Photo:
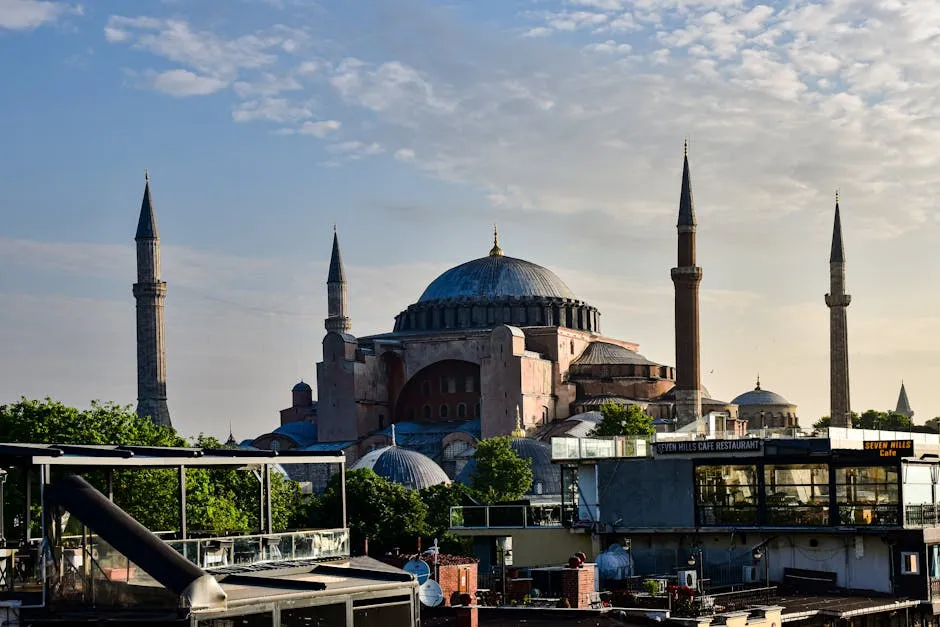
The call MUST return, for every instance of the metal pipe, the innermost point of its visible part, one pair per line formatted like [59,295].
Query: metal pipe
[182,500]
[267,497]
[342,487]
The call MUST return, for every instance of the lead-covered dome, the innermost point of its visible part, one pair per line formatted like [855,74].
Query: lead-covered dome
[495,290]
[760,397]
[399,465]
[496,277]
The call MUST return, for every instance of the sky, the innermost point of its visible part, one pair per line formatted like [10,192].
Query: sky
[414,126]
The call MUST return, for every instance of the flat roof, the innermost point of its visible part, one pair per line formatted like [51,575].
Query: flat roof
[121,456]
[803,607]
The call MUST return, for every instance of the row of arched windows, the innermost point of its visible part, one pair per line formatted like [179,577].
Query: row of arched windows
[444,412]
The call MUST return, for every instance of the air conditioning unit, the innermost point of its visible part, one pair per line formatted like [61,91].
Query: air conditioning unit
[750,574]
[688,578]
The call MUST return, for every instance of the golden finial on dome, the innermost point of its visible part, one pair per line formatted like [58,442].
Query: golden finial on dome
[518,432]
[496,251]
[758,382]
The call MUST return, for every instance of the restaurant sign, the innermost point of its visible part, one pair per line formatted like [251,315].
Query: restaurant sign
[889,448]
[748,445]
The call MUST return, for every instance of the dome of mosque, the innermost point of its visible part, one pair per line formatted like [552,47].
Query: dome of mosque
[408,468]
[301,387]
[546,476]
[757,396]
[496,277]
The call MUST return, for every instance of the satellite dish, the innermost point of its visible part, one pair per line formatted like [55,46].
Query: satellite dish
[419,569]
[430,593]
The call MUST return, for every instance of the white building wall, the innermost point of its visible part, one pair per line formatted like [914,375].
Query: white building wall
[861,562]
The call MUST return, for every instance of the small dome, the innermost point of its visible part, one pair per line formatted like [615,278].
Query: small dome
[301,387]
[605,353]
[303,433]
[399,465]
[544,472]
[757,396]
[496,277]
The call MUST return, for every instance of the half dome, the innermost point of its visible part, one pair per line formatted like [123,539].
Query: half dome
[399,465]
[496,277]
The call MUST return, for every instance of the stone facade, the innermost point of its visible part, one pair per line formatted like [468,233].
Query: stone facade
[150,295]
[837,300]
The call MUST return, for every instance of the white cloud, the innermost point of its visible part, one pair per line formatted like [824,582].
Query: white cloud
[404,154]
[608,47]
[183,83]
[29,14]
[272,110]
[356,149]
[320,128]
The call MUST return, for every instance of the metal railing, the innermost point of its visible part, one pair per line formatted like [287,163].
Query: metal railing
[291,545]
[599,448]
[934,588]
[922,515]
[506,516]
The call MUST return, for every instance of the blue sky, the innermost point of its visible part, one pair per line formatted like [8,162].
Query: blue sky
[414,125]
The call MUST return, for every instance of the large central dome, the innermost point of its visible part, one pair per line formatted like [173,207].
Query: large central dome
[496,277]
[495,290]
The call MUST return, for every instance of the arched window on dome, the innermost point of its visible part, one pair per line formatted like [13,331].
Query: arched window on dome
[426,412]
[444,410]
[462,410]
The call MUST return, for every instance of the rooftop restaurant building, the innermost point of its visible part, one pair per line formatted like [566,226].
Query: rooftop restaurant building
[115,570]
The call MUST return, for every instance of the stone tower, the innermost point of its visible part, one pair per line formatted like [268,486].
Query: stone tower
[150,294]
[840,410]
[686,277]
[336,320]
[904,405]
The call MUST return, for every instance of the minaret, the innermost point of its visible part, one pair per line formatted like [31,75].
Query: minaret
[150,294]
[840,410]
[686,277]
[904,405]
[337,320]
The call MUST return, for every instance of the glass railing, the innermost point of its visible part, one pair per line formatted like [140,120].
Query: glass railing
[503,516]
[271,547]
[598,448]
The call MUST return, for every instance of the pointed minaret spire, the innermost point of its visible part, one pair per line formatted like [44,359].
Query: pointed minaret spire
[150,294]
[686,277]
[147,223]
[496,251]
[840,408]
[686,206]
[904,405]
[837,252]
[337,318]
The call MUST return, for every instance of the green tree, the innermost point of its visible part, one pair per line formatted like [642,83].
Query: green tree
[932,425]
[439,499]
[822,423]
[499,473]
[623,420]
[218,499]
[388,514]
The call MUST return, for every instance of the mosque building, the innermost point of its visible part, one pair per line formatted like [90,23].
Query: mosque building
[494,346]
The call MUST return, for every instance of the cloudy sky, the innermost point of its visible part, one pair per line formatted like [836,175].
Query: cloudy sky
[414,125]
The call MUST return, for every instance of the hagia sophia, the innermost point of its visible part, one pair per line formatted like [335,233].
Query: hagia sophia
[495,346]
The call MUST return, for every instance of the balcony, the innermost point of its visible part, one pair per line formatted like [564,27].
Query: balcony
[574,449]
[922,515]
[543,516]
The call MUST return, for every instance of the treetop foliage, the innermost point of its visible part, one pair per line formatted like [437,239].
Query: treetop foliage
[499,473]
[623,420]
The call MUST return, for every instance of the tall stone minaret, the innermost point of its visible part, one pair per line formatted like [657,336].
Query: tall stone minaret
[336,320]
[840,410]
[150,293]
[686,277]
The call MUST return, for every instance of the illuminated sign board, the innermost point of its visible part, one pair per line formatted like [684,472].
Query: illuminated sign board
[749,445]
[889,448]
